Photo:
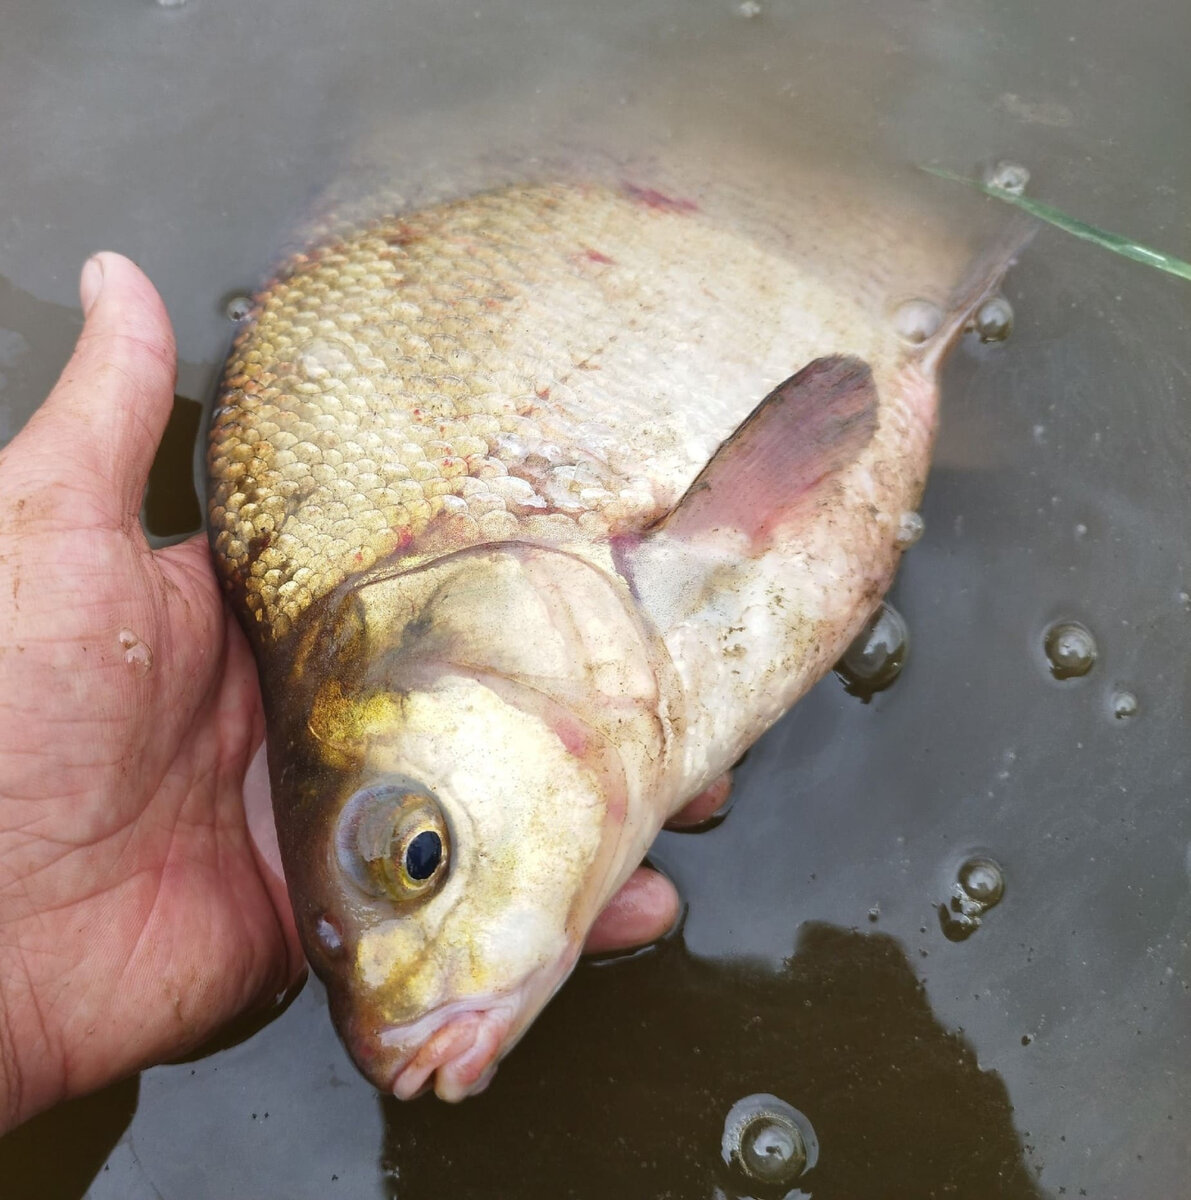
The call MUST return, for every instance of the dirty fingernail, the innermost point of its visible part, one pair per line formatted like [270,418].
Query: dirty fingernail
[90,283]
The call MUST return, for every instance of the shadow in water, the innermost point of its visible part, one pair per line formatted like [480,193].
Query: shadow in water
[171,508]
[635,1066]
[56,1155]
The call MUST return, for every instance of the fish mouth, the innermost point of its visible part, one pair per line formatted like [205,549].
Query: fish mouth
[454,1049]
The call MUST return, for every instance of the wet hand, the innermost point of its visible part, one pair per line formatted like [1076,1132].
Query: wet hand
[136,913]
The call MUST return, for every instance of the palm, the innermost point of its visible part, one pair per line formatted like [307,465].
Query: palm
[138,768]
[135,914]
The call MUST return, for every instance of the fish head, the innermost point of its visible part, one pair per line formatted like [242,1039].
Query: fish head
[450,826]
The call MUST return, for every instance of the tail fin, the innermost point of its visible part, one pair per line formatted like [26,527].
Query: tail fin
[982,280]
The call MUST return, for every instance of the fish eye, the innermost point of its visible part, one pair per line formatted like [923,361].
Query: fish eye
[393,840]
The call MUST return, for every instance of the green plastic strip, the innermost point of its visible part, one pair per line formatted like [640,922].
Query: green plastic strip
[1089,233]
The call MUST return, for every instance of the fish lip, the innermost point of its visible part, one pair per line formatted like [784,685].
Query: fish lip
[496,1019]
[460,1058]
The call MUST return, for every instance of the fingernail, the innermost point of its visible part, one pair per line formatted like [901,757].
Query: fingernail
[90,283]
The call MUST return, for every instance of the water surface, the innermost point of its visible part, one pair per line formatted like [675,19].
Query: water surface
[1047,1054]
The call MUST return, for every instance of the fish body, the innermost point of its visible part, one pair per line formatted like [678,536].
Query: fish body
[538,507]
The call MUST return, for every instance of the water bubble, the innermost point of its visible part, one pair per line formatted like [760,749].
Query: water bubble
[978,885]
[994,319]
[1070,649]
[910,527]
[768,1141]
[1009,176]
[237,307]
[981,880]
[1124,704]
[875,659]
[916,321]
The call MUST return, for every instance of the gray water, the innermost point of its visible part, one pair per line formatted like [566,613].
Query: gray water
[1047,1054]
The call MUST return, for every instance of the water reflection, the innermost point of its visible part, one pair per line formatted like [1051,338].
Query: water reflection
[622,1085]
[57,1155]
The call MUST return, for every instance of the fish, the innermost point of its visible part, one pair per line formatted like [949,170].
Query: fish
[538,506]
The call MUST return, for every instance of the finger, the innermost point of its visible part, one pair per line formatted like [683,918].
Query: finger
[707,804]
[105,417]
[644,909]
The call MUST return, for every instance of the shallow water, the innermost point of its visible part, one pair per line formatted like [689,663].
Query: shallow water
[1047,1053]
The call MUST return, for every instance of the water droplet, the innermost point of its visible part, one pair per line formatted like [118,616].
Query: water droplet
[982,880]
[910,527]
[916,321]
[1124,704]
[170,3]
[994,319]
[1070,649]
[875,659]
[1185,600]
[748,9]
[1081,531]
[237,307]
[874,913]
[136,653]
[1009,176]
[768,1141]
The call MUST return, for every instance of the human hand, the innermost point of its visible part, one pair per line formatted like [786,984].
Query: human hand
[137,913]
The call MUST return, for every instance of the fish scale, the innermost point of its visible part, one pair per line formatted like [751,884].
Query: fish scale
[548,363]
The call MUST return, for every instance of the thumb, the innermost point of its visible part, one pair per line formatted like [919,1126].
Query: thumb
[105,417]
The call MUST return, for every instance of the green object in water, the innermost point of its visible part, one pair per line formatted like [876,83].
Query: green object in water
[1080,229]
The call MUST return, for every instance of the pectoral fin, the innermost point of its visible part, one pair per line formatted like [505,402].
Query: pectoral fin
[781,460]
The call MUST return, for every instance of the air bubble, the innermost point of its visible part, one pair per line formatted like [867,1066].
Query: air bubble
[1070,649]
[237,307]
[994,319]
[1124,704]
[748,9]
[768,1141]
[916,321]
[876,657]
[910,527]
[978,885]
[1009,177]
[982,881]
